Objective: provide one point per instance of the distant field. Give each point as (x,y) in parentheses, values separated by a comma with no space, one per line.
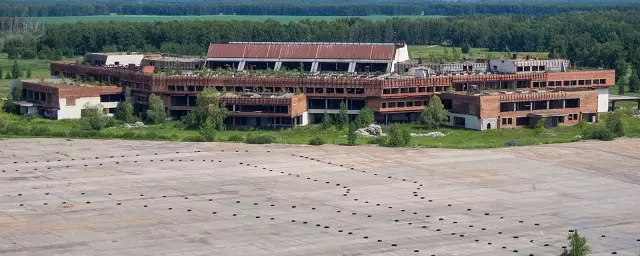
(143,18)
(417,51)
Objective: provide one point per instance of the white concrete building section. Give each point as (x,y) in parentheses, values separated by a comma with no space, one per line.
(603,100)
(75,111)
(513,66)
(113,59)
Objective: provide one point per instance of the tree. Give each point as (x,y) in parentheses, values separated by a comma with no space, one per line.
(540,126)
(16,71)
(634,82)
(1,72)
(7,76)
(465,48)
(57,54)
(93,117)
(16,91)
(156,113)
(614,121)
(351,134)
(326,121)
(125,111)
(577,245)
(398,136)
(620,86)
(207,130)
(365,117)
(342,118)
(28,72)
(434,115)
(209,107)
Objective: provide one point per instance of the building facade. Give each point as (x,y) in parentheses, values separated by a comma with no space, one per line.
(65,99)
(488,100)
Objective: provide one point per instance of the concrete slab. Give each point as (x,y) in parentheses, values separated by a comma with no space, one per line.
(98,197)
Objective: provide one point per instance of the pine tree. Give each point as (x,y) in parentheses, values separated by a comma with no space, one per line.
(620,86)
(634,82)
(577,246)
(342,118)
(351,134)
(326,121)
(16,71)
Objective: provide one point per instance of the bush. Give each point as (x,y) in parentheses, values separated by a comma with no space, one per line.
(598,132)
(77,133)
(40,131)
(615,124)
(207,131)
(262,139)
(29,117)
(365,117)
(540,126)
(380,141)
(351,134)
(193,138)
(398,137)
(317,141)
(236,138)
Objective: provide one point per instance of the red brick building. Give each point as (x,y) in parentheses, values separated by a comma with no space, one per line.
(475,100)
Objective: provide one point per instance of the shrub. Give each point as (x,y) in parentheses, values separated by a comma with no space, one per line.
(434,115)
(236,138)
(598,132)
(398,137)
(351,134)
(207,131)
(317,141)
(193,138)
(128,135)
(365,117)
(77,133)
(615,124)
(262,139)
(40,131)
(540,126)
(380,141)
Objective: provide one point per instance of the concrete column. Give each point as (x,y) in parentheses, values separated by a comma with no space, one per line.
(564,103)
(241,65)
(547,104)
(352,67)
(530,105)
(514,106)
(326,104)
(278,65)
(314,66)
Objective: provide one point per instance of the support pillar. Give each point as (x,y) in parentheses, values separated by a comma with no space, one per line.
(314,66)
(278,65)
(531,105)
(547,104)
(352,67)
(241,65)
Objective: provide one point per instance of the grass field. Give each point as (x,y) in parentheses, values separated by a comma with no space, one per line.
(39,68)
(456,138)
(424,51)
(145,18)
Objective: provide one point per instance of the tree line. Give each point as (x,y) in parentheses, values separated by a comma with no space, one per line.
(592,39)
(42,9)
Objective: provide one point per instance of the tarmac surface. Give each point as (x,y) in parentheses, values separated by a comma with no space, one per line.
(99,197)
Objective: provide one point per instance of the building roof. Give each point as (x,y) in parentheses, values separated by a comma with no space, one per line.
(284,50)
(68,85)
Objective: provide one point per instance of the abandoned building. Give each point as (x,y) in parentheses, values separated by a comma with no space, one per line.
(506,94)
(65,98)
(309,57)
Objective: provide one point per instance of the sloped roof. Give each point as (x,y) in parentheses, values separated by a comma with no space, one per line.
(277,50)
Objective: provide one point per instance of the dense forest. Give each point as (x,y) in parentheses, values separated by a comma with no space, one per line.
(594,39)
(332,8)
